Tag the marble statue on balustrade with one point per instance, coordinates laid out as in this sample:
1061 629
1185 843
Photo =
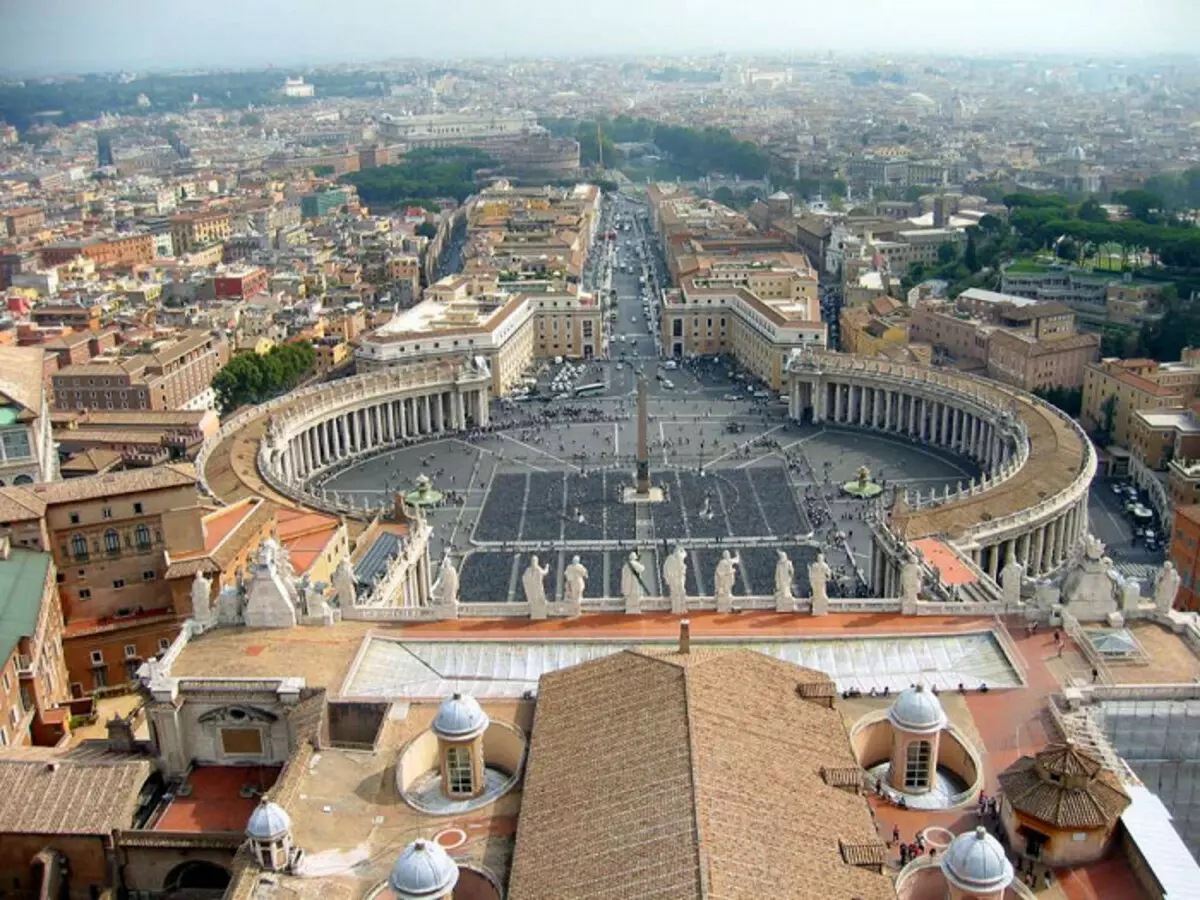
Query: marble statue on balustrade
632 585
446 602
271 599
345 587
1131 595
1089 591
314 608
1166 586
910 584
785 577
1011 577
819 574
229 605
675 578
723 580
575 576
535 589
202 611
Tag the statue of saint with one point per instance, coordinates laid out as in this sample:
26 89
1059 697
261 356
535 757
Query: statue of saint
1010 579
576 577
1166 586
531 581
724 578
201 598
631 583
819 574
675 577
785 574
344 585
449 582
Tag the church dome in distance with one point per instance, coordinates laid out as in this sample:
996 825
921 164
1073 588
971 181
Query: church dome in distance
975 863
423 871
460 718
268 821
917 710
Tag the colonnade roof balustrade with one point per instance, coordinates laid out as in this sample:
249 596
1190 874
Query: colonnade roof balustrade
1061 460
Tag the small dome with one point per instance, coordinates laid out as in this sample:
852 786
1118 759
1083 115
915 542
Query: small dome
424 871
268 821
779 195
460 718
975 862
919 710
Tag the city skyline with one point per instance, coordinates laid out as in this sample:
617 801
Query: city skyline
67 36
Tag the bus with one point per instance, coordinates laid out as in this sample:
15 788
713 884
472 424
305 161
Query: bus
586 390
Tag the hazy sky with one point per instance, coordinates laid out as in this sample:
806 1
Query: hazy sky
40 36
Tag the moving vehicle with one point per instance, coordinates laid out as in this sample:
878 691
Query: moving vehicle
587 390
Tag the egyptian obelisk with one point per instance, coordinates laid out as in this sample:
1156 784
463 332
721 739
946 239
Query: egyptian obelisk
643 455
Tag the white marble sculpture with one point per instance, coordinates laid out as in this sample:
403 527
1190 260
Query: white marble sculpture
201 599
785 574
1131 595
345 587
723 580
910 583
1166 586
1089 591
675 578
631 583
576 575
535 589
819 574
1010 579
449 582
271 599
229 606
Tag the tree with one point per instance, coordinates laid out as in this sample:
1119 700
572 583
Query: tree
1091 211
946 253
1067 249
427 229
724 195
971 257
1108 413
250 378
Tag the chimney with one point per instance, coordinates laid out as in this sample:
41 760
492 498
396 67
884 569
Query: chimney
685 636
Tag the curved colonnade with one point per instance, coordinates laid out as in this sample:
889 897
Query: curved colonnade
1037 462
364 415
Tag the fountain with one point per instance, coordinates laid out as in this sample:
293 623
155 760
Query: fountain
862 487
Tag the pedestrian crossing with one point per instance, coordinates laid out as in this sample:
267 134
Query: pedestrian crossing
1143 572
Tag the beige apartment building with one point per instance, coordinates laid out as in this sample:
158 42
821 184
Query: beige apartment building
33 674
1156 437
1137 384
1033 364
105 534
176 375
196 230
466 316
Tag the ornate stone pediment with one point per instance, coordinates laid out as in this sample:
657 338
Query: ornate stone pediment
237 715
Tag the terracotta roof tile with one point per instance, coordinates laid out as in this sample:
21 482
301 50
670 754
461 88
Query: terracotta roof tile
1065 786
59 796
691 775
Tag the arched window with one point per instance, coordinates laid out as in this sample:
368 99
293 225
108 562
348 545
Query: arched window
917 765
79 547
22 479
141 536
459 772
112 542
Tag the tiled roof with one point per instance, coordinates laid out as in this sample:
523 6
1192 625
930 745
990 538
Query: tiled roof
697 775
21 376
1065 786
110 485
48 795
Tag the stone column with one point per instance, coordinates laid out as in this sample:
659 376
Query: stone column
887 411
912 415
993 561
837 403
305 455
1052 544
944 436
314 447
391 420
439 413
1038 538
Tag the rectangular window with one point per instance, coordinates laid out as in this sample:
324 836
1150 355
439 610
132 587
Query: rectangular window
164 644
241 741
119 583
460 775
97 657
100 676
137 509
74 518
148 576
16 444
106 512
85 594
130 651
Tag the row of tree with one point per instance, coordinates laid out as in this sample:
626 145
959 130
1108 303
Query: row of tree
250 378
423 175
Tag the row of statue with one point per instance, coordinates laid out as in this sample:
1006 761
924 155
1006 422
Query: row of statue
674 576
